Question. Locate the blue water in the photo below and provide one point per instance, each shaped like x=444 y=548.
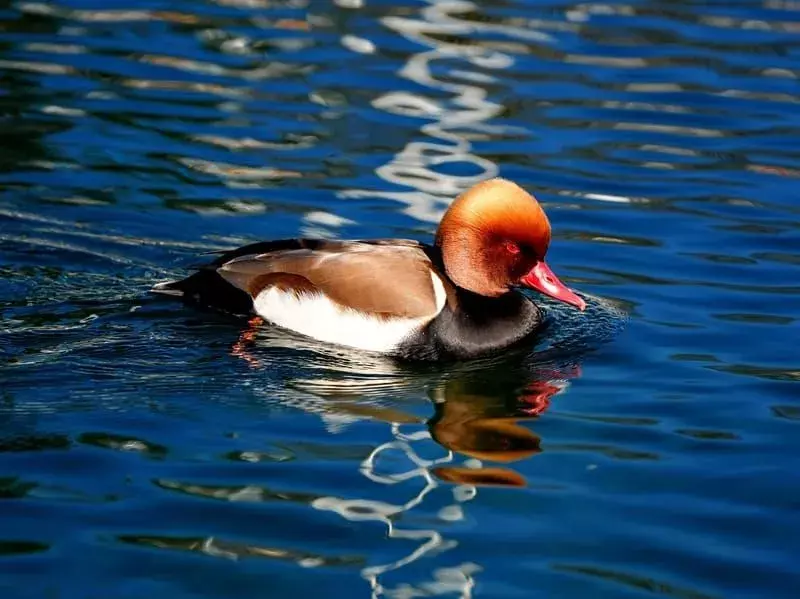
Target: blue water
x=648 y=447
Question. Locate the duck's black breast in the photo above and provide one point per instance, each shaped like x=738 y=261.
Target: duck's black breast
x=474 y=325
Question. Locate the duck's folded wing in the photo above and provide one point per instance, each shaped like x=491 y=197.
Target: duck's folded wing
x=391 y=281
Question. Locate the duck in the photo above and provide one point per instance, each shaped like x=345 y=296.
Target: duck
x=461 y=297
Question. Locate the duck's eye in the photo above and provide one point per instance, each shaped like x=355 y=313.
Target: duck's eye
x=511 y=247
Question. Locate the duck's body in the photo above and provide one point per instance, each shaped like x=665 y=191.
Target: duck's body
x=452 y=299
x=384 y=295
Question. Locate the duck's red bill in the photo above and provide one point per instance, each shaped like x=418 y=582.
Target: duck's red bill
x=543 y=280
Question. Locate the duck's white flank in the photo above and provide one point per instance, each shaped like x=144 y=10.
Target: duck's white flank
x=316 y=316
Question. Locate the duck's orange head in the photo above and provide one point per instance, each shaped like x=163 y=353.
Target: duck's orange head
x=494 y=237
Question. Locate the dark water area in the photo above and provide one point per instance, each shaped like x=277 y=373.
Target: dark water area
x=647 y=447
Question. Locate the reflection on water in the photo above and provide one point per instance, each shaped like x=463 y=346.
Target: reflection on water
x=463 y=115
x=175 y=450
x=480 y=413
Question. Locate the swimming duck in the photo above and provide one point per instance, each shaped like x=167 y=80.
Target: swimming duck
x=455 y=299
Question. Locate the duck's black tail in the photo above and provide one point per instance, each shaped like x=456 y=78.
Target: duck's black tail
x=206 y=288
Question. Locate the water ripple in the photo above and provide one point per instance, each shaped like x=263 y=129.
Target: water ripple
x=642 y=447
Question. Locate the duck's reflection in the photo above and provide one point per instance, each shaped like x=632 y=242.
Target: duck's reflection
x=480 y=408
x=480 y=418
x=480 y=426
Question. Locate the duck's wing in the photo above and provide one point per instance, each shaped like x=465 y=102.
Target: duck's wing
x=389 y=278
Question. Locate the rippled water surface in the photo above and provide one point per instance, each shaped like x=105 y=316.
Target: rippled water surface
x=648 y=447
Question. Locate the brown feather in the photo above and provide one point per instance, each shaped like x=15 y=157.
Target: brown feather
x=391 y=280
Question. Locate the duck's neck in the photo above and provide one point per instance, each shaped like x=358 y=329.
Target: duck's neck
x=476 y=325
x=471 y=324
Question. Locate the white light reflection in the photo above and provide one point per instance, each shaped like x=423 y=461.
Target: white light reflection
x=453 y=121
x=430 y=541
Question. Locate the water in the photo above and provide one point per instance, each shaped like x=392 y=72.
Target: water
x=648 y=447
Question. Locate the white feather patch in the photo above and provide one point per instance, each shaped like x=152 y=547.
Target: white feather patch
x=438 y=292
x=316 y=316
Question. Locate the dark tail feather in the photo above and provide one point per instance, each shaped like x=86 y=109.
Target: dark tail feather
x=207 y=288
